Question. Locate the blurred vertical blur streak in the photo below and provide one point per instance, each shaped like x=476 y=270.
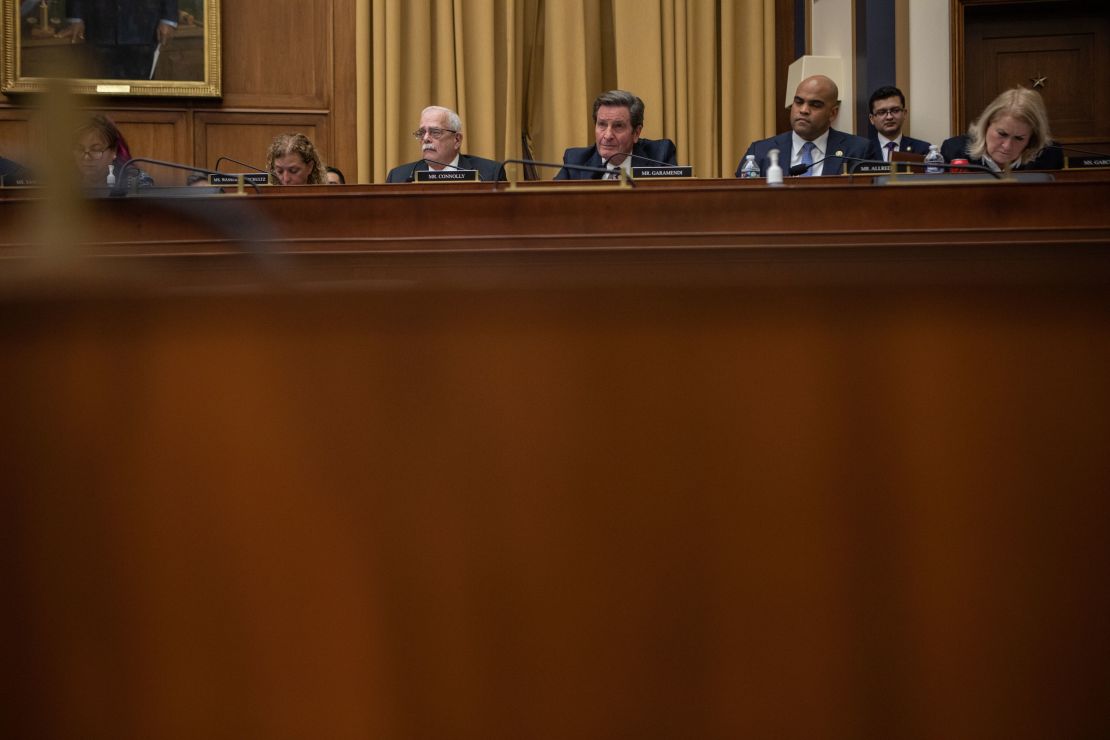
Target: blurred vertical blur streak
x=59 y=227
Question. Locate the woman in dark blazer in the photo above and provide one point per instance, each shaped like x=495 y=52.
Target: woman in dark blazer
x=1011 y=133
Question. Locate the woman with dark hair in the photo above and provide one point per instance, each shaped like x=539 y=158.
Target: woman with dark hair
x=100 y=153
x=1011 y=133
x=293 y=160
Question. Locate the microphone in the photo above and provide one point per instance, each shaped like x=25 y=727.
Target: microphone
x=412 y=174
x=120 y=188
x=576 y=167
x=646 y=159
x=236 y=161
x=1070 y=148
x=441 y=164
x=1088 y=159
x=273 y=178
x=798 y=169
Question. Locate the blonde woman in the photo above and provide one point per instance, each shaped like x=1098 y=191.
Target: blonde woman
x=1011 y=133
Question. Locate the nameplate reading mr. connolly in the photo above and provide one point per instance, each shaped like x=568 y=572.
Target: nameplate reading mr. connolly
x=446 y=175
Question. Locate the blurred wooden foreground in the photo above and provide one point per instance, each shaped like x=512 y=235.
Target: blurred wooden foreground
x=823 y=490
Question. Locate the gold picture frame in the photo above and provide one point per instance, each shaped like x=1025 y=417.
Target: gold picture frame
x=29 y=50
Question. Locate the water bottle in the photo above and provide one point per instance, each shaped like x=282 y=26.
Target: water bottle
x=934 y=156
x=111 y=180
x=774 y=172
x=750 y=169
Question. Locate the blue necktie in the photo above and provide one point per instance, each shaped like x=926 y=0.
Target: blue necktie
x=807 y=158
x=890 y=147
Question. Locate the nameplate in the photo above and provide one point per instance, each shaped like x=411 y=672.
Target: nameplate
x=659 y=171
x=21 y=182
x=868 y=168
x=249 y=178
x=1089 y=162
x=113 y=89
x=447 y=175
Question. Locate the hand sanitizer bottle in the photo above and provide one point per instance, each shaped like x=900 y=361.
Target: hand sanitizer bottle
x=774 y=172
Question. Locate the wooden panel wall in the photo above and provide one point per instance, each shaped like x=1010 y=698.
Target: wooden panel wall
x=1062 y=43
x=288 y=65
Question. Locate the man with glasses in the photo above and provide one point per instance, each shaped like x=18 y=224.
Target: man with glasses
x=440 y=135
x=888 y=116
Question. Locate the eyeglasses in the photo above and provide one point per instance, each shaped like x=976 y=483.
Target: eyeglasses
x=883 y=113
x=434 y=132
x=80 y=153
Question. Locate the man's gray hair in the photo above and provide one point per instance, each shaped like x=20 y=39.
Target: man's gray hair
x=453 y=120
x=623 y=99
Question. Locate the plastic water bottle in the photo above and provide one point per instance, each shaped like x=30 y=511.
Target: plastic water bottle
x=750 y=169
x=111 y=180
x=933 y=157
x=774 y=172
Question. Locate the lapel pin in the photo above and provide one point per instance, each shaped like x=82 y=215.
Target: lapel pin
x=839 y=153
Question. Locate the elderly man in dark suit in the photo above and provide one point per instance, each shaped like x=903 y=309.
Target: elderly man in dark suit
x=440 y=135
x=888 y=115
x=811 y=143
x=121 y=35
x=618 y=120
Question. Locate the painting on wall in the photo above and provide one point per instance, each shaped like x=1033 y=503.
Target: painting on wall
x=145 y=48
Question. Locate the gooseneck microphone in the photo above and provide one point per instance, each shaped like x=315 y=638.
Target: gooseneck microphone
x=799 y=169
x=272 y=177
x=412 y=173
x=647 y=159
x=576 y=167
x=120 y=188
x=441 y=164
x=1077 y=150
x=236 y=161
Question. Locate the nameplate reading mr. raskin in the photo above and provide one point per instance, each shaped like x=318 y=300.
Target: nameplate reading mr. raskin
x=659 y=171
x=446 y=175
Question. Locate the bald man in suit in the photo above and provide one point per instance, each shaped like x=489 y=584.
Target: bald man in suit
x=811 y=142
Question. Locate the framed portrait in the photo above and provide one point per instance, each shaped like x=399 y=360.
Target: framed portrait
x=144 y=48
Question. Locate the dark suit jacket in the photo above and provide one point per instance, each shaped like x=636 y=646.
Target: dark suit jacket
x=848 y=145
x=122 y=22
x=488 y=170
x=909 y=144
x=661 y=150
x=13 y=173
x=1050 y=158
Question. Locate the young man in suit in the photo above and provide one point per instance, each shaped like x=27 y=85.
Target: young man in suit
x=811 y=143
x=440 y=135
x=888 y=116
x=618 y=120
